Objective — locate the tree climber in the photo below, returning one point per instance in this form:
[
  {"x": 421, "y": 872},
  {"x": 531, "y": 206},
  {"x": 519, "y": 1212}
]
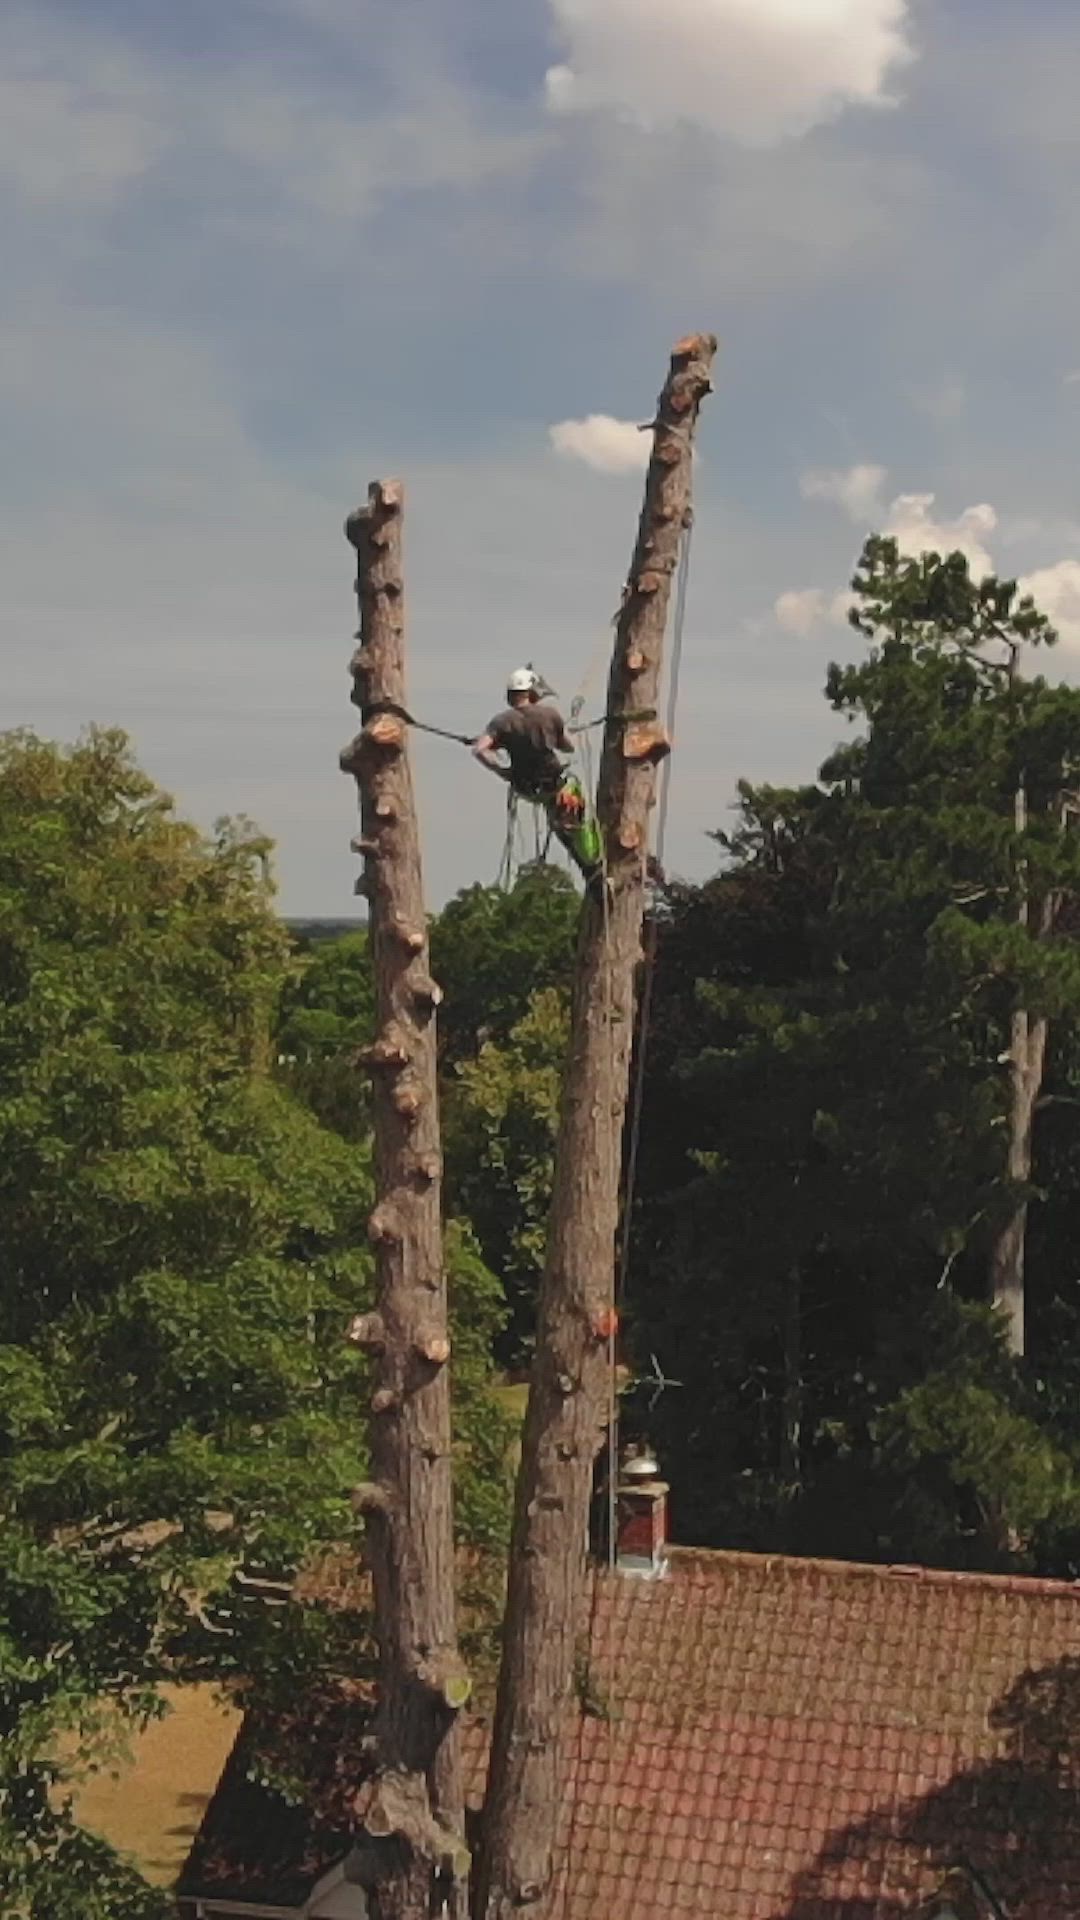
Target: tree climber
[{"x": 532, "y": 734}]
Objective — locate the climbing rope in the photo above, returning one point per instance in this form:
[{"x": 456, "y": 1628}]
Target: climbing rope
[
  {"x": 640, "y": 717},
  {"x": 421, "y": 726}
]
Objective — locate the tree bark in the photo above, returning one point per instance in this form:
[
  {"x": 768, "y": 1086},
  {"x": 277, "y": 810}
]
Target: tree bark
[
  {"x": 1027, "y": 1067},
  {"x": 414, "y": 1809},
  {"x": 570, "y": 1387},
  {"x": 789, "y": 1460}
]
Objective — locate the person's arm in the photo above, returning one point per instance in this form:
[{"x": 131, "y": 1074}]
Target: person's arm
[
  {"x": 485, "y": 750},
  {"x": 563, "y": 744}
]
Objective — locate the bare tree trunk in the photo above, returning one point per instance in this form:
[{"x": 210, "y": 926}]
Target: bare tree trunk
[
  {"x": 569, "y": 1392},
  {"x": 1027, "y": 1067},
  {"x": 414, "y": 1811},
  {"x": 791, "y": 1399}
]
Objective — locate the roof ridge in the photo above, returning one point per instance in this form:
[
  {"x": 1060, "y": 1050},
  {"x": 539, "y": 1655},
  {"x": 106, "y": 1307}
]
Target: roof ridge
[{"x": 1018, "y": 1583}]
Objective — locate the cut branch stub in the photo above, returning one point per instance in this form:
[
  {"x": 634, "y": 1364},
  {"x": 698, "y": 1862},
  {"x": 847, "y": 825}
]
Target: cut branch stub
[
  {"x": 646, "y": 743},
  {"x": 384, "y": 731},
  {"x": 389, "y": 1052},
  {"x": 407, "y": 1097},
  {"x": 444, "y": 1674},
  {"x": 425, "y": 1168},
  {"x": 370, "y": 1498},
  {"x": 350, "y": 757},
  {"x": 366, "y": 1331},
  {"x": 395, "y": 1812},
  {"x": 432, "y": 1348},
  {"x": 428, "y": 995},
  {"x": 411, "y": 937},
  {"x": 384, "y": 1227}
]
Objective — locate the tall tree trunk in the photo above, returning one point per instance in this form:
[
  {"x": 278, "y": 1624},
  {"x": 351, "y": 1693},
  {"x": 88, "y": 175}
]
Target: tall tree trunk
[
  {"x": 414, "y": 1810},
  {"x": 1027, "y": 1064},
  {"x": 791, "y": 1400},
  {"x": 1027, "y": 1067},
  {"x": 569, "y": 1392}
]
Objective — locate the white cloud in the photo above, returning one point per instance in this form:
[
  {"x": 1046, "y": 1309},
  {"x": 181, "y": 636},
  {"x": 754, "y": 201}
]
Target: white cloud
[
  {"x": 911, "y": 523},
  {"x": 606, "y": 444},
  {"x": 909, "y": 518},
  {"x": 857, "y": 491},
  {"x": 757, "y": 71},
  {"x": 806, "y": 610},
  {"x": 801, "y": 611},
  {"x": 1056, "y": 591}
]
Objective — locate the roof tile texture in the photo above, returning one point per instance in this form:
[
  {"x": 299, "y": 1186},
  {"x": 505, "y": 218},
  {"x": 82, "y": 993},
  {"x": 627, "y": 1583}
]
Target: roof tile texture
[
  {"x": 799, "y": 1740},
  {"x": 789, "y": 1739}
]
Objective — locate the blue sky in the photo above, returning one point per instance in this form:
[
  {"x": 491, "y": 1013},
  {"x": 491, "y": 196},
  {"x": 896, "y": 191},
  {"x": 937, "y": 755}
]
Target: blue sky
[{"x": 258, "y": 252}]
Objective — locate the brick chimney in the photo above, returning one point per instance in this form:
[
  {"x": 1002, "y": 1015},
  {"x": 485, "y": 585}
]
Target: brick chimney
[{"x": 641, "y": 1516}]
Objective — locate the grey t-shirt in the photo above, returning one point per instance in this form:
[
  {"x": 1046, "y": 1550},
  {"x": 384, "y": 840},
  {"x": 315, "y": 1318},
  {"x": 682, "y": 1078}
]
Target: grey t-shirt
[{"x": 531, "y": 736}]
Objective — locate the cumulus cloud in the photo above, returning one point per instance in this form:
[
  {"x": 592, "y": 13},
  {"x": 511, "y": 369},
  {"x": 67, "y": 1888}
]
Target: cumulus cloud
[
  {"x": 913, "y": 525},
  {"x": 805, "y": 610},
  {"x": 912, "y": 521},
  {"x": 800, "y": 611},
  {"x": 1056, "y": 592},
  {"x": 857, "y": 491},
  {"x": 756, "y": 71},
  {"x": 909, "y": 518},
  {"x": 601, "y": 442}
]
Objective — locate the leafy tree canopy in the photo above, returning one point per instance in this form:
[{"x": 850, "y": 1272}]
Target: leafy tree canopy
[{"x": 178, "y": 1405}]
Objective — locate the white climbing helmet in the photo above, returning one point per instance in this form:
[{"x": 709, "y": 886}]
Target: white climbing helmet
[{"x": 522, "y": 680}]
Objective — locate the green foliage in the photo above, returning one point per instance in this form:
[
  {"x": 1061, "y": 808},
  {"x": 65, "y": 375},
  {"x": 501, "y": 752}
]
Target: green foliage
[
  {"x": 482, "y": 1431},
  {"x": 501, "y": 1117},
  {"x": 327, "y": 1014},
  {"x": 823, "y": 1169},
  {"x": 176, "y": 1398},
  {"x": 68, "y": 1874},
  {"x": 492, "y": 951}
]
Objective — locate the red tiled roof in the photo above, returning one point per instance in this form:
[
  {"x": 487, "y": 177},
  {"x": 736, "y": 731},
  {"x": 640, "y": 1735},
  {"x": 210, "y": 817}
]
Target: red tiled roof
[{"x": 797, "y": 1740}]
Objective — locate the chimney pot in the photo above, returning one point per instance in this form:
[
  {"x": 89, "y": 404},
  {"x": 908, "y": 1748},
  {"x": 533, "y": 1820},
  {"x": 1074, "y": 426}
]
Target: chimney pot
[{"x": 641, "y": 1516}]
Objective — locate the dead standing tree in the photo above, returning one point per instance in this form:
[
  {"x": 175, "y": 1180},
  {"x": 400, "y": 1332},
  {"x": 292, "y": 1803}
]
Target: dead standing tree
[
  {"x": 570, "y": 1389},
  {"x": 413, "y": 1810}
]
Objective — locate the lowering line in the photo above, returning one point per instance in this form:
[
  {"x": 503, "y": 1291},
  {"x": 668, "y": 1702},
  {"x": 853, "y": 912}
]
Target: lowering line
[{"x": 638, "y": 718}]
